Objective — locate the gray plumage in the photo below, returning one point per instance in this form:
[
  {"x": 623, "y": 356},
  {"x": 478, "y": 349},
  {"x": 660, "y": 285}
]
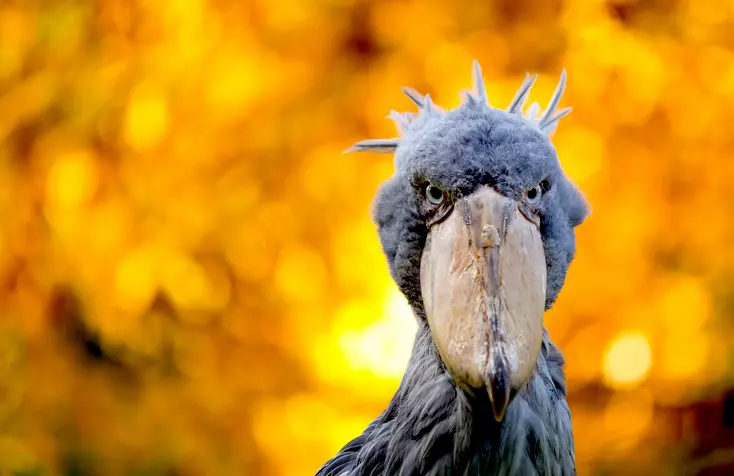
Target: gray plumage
[
  {"x": 431, "y": 426},
  {"x": 381, "y": 146},
  {"x": 521, "y": 97},
  {"x": 479, "y": 88},
  {"x": 414, "y": 96}
]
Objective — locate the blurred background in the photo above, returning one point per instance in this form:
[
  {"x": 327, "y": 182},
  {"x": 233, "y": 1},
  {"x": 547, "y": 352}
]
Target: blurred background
[{"x": 190, "y": 282}]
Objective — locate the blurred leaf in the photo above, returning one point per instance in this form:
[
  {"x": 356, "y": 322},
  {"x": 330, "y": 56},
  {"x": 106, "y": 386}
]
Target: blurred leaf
[{"x": 189, "y": 277}]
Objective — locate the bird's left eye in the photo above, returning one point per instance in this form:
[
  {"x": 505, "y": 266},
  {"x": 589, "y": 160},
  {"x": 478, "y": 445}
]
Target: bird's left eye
[
  {"x": 533, "y": 195},
  {"x": 435, "y": 195}
]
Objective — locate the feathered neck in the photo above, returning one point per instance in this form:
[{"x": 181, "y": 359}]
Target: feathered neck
[{"x": 432, "y": 427}]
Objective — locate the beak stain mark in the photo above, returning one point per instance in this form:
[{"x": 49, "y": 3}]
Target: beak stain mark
[{"x": 490, "y": 236}]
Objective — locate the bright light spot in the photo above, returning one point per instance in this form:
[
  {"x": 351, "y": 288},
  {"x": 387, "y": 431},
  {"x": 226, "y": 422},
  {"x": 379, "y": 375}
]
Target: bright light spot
[
  {"x": 186, "y": 283},
  {"x": 70, "y": 184},
  {"x": 627, "y": 360},
  {"x": 71, "y": 180},
  {"x": 146, "y": 121},
  {"x": 384, "y": 346},
  {"x": 135, "y": 281}
]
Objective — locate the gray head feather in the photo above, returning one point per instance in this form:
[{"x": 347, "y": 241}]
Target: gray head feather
[
  {"x": 479, "y": 82},
  {"x": 521, "y": 97},
  {"x": 380, "y": 146},
  {"x": 549, "y": 126},
  {"x": 555, "y": 99},
  {"x": 550, "y": 118},
  {"x": 547, "y": 123},
  {"x": 414, "y": 96},
  {"x": 532, "y": 112},
  {"x": 401, "y": 121},
  {"x": 428, "y": 107}
]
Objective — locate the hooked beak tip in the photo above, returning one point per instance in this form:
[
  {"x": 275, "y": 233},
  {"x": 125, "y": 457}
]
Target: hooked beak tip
[{"x": 498, "y": 388}]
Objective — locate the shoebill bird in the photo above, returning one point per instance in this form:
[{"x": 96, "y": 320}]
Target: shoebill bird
[{"x": 477, "y": 224}]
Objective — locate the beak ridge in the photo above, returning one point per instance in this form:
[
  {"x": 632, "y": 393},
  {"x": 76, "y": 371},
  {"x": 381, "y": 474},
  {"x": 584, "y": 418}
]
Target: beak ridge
[
  {"x": 498, "y": 386},
  {"x": 483, "y": 285}
]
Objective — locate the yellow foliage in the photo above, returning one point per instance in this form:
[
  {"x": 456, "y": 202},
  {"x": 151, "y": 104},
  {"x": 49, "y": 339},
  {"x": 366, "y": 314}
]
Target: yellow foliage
[{"x": 189, "y": 277}]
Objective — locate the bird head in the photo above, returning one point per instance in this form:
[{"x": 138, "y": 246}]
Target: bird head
[{"x": 477, "y": 223}]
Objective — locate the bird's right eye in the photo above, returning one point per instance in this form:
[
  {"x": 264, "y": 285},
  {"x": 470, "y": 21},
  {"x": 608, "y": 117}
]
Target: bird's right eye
[{"x": 435, "y": 195}]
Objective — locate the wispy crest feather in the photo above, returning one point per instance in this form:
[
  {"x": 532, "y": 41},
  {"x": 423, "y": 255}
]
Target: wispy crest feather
[{"x": 546, "y": 121}]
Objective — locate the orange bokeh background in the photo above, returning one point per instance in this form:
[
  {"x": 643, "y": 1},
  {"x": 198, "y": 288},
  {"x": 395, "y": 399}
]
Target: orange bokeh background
[{"x": 190, "y": 281}]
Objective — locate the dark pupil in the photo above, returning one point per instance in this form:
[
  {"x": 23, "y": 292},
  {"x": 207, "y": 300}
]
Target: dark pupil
[
  {"x": 436, "y": 193},
  {"x": 532, "y": 193}
]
